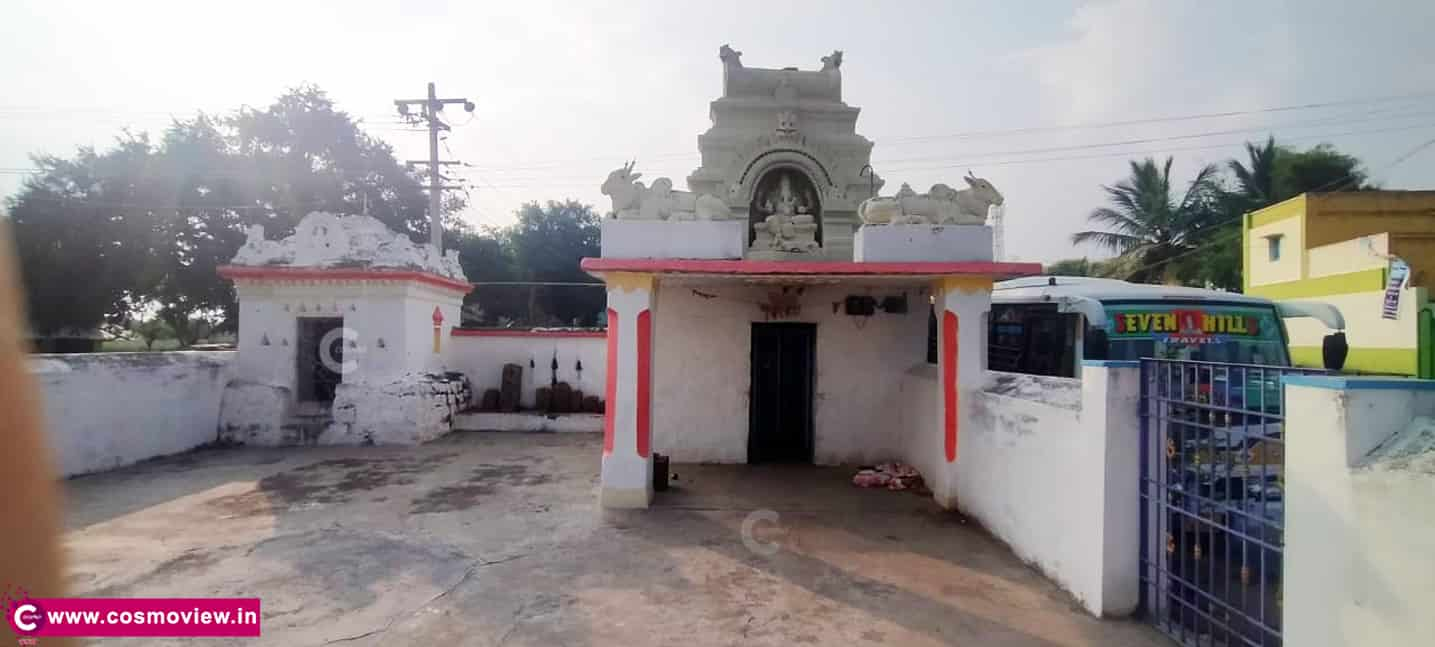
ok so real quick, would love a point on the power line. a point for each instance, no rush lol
(1160, 150)
(977, 161)
(1153, 120)
(1149, 140)
(890, 140)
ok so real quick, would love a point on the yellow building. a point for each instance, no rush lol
(1338, 248)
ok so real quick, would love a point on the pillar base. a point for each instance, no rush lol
(947, 500)
(616, 498)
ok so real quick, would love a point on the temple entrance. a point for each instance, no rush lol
(789, 194)
(780, 410)
(320, 353)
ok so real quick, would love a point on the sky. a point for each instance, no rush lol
(1038, 97)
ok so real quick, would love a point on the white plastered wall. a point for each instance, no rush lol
(481, 358)
(108, 410)
(398, 314)
(1358, 531)
(1365, 327)
(702, 372)
(1051, 466)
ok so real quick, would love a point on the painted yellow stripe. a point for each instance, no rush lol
(1246, 253)
(1372, 280)
(1386, 361)
(1277, 212)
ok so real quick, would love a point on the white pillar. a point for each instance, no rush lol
(962, 304)
(627, 476)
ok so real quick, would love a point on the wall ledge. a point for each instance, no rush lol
(506, 332)
(1112, 363)
(1353, 383)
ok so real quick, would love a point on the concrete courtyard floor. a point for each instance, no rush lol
(496, 538)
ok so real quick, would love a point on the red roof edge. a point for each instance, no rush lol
(806, 268)
(246, 272)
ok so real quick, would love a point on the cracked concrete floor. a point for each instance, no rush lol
(489, 538)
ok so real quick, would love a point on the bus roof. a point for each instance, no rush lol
(1039, 288)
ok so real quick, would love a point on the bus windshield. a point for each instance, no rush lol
(1240, 333)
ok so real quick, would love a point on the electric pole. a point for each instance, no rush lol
(428, 113)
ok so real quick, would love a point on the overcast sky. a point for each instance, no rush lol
(567, 92)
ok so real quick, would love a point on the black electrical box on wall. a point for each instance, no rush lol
(858, 306)
(895, 305)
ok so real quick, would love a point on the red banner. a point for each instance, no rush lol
(134, 617)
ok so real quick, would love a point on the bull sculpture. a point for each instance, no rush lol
(941, 205)
(633, 201)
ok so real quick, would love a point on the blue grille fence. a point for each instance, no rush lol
(1212, 504)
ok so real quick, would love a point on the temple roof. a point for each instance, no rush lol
(326, 240)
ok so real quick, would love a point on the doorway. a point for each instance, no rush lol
(320, 358)
(780, 410)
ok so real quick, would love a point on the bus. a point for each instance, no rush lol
(1046, 325)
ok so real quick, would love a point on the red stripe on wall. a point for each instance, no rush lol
(610, 406)
(645, 378)
(949, 382)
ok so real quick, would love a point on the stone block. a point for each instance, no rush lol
(510, 388)
(562, 398)
(697, 239)
(922, 243)
(253, 413)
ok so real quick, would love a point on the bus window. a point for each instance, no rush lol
(1032, 338)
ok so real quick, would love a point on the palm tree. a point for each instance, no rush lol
(1146, 227)
(1256, 183)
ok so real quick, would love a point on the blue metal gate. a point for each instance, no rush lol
(1212, 510)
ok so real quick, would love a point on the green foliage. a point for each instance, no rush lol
(106, 233)
(1197, 241)
(152, 330)
(1320, 169)
(1073, 267)
(80, 240)
(1147, 226)
(545, 245)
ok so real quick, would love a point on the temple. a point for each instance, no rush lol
(780, 309)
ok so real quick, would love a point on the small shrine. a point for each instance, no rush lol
(342, 331)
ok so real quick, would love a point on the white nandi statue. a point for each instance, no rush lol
(939, 206)
(632, 200)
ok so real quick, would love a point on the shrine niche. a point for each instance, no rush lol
(786, 123)
(785, 214)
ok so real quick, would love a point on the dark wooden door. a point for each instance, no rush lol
(320, 357)
(780, 413)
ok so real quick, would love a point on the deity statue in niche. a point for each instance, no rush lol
(785, 213)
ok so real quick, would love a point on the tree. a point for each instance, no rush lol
(1321, 168)
(1271, 173)
(152, 330)
(148, 225)
(1147, 227)
(1072, 267)
(1256, 182)
(547, 243)
(81, 236)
